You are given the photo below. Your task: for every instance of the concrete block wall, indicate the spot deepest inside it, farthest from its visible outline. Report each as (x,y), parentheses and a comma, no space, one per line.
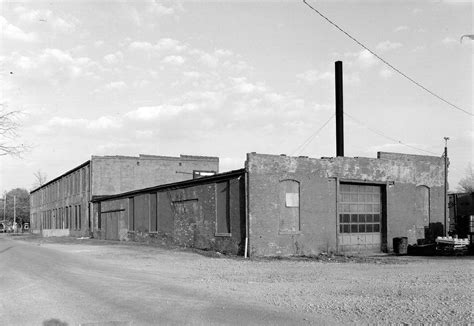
(399,176)
(119,174)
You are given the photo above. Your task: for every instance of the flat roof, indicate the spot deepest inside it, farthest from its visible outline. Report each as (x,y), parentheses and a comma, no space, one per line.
(62,175)
(180,184)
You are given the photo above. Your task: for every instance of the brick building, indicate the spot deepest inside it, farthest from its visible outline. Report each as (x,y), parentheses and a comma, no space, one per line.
(282,205)
(62,206)
(305,206)
(206,213)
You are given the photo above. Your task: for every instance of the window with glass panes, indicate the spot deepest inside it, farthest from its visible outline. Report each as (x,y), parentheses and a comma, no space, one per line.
(359,208)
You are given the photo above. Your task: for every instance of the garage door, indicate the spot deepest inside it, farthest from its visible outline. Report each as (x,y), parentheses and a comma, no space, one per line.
(360,215)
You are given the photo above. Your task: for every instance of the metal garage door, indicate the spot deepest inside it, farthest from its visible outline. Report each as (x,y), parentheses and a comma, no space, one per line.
(359,220)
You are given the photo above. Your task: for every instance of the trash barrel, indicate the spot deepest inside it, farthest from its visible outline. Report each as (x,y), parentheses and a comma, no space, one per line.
(400,245)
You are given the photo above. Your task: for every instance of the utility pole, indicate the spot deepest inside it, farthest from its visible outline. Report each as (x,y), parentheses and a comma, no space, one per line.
(445,185)
(4,205)
(14,209)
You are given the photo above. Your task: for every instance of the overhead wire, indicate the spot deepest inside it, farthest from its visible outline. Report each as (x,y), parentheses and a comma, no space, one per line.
(310,138)
(387,63)
(378,132)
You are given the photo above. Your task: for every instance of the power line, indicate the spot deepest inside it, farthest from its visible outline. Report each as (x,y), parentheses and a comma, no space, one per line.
(310,138)
(387,63)
(387,137)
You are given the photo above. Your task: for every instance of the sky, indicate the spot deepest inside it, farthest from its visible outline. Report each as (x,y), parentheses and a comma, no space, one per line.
(225,78)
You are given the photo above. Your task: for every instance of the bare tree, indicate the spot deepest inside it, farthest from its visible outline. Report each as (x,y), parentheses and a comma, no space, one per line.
(466,184)
(8,132)
(40,179)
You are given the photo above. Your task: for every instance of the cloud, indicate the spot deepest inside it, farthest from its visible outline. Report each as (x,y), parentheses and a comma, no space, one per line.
(115,85)
(99,124)
(361,59)
(159,9)
(52,65)
(314,76)
(242,86)
(105,122)
(138,45)
(366,59)
(174,60)
(48,18)
(140,83)
(147,113)
(209,59)
(164,44)
(113,58)
(419,48)
(192,74)
(400,28)
(386,73)
(388,45)
(11,32)
(449,41)
(144,134)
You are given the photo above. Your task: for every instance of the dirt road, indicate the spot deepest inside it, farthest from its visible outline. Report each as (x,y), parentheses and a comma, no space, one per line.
(92,282)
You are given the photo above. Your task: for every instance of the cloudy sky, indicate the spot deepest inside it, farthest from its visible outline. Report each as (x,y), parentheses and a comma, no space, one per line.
(224,78)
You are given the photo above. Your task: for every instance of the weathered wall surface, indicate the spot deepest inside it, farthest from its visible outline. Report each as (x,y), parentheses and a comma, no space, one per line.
(399,175)
(55,233)
(62,204)
(118,174)
(183,216)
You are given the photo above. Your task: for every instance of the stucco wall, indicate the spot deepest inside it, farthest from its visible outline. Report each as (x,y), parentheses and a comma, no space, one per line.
(398,175)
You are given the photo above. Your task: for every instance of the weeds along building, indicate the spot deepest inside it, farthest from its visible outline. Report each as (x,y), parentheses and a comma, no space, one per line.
(280,205)
(62,206)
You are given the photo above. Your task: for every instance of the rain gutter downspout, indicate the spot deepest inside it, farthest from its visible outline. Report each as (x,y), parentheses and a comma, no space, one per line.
(246,210)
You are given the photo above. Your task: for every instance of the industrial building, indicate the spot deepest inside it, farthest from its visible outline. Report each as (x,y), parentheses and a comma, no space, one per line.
(280,205)
(276,205)
(62,206)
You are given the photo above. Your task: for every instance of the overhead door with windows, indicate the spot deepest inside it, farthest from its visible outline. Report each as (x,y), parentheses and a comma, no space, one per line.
(360,218)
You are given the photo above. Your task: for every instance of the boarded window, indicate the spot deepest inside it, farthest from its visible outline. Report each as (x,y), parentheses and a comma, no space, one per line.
(422,204)
(153,213)
(130,213)
(141,213)
(79,216)
(75,217)
(99,216)
(222,208)
(165,221)
(289,194)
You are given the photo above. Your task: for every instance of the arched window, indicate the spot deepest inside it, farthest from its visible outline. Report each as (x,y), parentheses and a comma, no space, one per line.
(289,195)
(422,204)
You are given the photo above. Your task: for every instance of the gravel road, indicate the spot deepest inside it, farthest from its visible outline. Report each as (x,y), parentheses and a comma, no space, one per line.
(328,290)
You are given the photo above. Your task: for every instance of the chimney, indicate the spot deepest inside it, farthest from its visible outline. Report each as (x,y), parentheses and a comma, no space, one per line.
(339,111)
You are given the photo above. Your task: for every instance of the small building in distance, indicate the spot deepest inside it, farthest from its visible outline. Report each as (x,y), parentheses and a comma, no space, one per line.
(62,205)
(280,206)
(461,214)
